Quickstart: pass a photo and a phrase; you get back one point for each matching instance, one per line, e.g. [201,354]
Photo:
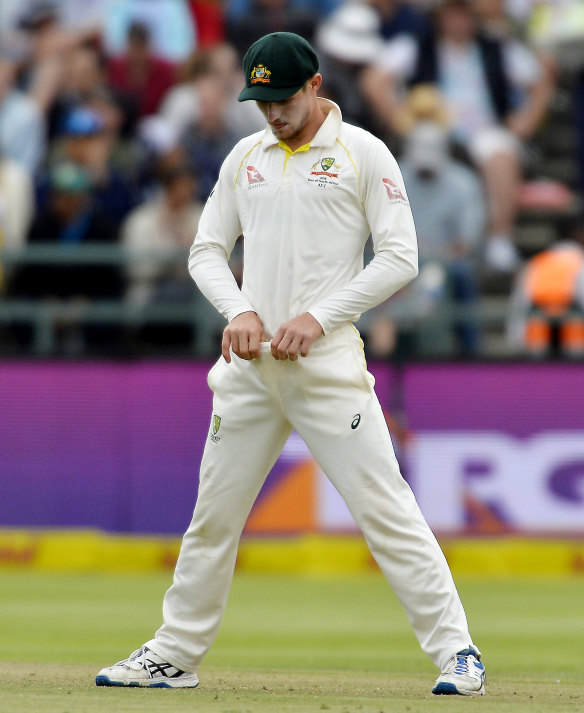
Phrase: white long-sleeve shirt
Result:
[305,217]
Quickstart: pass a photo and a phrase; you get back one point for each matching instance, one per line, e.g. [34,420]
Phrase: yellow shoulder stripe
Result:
[241,163]
[354,167]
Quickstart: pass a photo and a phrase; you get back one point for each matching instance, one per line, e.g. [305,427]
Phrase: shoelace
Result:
[458,666]
[461,667]
[132,661]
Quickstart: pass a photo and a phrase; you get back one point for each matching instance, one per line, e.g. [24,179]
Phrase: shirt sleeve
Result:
[395,262]
[219,228]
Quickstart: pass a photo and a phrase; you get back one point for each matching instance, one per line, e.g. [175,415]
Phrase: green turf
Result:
[287,644]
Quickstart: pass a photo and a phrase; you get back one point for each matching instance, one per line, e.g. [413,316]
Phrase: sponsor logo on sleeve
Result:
[394,192]
[254,177]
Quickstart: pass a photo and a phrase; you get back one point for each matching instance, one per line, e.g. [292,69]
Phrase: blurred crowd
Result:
[115,116]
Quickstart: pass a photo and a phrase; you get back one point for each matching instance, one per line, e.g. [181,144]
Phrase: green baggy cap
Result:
[277,66]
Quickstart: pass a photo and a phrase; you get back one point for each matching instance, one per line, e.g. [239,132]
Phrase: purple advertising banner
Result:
[112,446]
[517,399]
[497,448]
[486,448]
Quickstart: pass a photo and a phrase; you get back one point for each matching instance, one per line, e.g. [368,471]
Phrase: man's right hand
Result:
[243,334]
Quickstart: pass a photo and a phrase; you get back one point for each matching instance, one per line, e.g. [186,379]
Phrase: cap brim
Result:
[268,94]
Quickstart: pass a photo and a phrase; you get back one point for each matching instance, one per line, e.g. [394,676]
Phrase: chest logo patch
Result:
[394,192]
[254,176]
[325,172]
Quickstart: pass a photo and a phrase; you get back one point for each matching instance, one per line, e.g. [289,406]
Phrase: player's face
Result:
[292,120]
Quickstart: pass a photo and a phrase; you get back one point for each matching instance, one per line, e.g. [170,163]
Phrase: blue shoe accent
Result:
[105,681]
[446,689]
[160,685]
[469,652]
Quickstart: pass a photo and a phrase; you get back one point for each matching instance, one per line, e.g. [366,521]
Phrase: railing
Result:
[45,316]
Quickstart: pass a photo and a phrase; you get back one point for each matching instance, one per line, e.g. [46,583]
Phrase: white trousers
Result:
[328,398]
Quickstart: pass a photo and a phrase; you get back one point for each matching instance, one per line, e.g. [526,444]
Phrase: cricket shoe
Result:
[145,669]
[463,675]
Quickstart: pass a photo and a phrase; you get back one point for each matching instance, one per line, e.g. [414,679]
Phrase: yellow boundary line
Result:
[94,550]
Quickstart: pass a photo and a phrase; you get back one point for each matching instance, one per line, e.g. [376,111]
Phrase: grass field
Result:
[287,645]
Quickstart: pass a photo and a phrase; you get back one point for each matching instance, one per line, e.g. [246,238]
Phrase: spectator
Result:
[87,140]
[449,212]
[348,40]
[208,139]
[49,47]
[547,305]
[496,93]
[264,16]
[71,218]
[158,236]
[159,153]
[154,233]
[16,208]
[181,106]
[140,75]
[22,125]
[170,25]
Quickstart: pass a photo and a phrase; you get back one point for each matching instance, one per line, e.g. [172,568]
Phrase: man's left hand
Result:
[295,337]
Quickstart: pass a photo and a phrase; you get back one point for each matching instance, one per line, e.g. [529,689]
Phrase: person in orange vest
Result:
[547,304]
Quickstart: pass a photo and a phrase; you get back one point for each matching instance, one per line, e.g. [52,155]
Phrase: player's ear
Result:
[314,82]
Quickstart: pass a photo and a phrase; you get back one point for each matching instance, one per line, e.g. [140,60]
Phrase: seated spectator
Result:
[496,93]
[22,124]
[70,219]
[86,139]
[170,26]
[265,16]
[547,305]
[208,139]
[159,153]
[154,233]
[16,209]
[348,40]
[139,75]
[449,211]
[181,106]
[157,236]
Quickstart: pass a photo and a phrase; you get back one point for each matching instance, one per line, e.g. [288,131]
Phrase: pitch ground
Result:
[287,645]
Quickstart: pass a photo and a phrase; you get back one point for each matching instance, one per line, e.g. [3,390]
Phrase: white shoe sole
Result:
[104,680]
[450,689]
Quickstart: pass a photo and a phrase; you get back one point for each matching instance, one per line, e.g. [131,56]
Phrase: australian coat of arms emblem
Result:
[260,74]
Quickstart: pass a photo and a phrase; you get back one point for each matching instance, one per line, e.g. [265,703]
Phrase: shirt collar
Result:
[325,136]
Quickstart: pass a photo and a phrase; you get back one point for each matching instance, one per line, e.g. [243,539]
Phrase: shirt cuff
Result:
[317,314]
